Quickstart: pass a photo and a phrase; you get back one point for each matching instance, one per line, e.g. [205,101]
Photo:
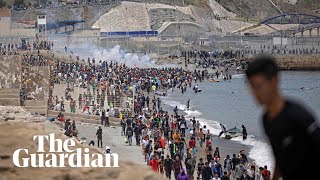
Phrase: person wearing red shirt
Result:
[154,163]
[192,143]
[163,144]
[266,173]
[208,142]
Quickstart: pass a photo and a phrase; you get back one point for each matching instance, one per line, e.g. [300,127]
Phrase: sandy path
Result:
[112,137]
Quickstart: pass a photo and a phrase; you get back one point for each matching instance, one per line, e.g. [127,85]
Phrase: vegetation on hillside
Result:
[263,8]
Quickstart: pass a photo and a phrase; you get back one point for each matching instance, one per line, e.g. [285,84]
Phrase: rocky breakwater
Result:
[17,129]
[296,62]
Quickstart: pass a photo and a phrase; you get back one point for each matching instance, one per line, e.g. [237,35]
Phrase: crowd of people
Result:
[14,48]
[97,79]
[172,145]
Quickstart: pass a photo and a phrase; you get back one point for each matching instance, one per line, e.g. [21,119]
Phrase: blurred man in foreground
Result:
[291,129]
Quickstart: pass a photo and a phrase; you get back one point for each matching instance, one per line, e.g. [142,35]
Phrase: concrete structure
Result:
[296,62]
[91,32]
[7,30]
[5,20]
[9,97]
[133,16]
[176,29]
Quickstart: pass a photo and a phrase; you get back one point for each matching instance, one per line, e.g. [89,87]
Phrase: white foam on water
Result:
[236,76]
[190,113]
[172,103]
[211,125]
[261,152]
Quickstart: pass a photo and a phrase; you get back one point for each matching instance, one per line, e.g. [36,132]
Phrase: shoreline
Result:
[226,146]
[254,147]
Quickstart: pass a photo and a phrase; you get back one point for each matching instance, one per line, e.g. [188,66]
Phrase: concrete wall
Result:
[176,29]
[5,29]
[5,26]
[23,32]
[86,33]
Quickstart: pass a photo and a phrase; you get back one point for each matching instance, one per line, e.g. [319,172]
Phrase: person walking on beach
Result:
[258,175]
[227,164]
[266,174]
[154,163]
[244,132]
[200,135]
[137,133]
[240,168]
[129,133]
[149,150]
[200,166]
[168,166]
[177,166]
[99,136]
[245,176]
[206,172]
[107,119]
[123,125]
[103,115]
[147,101]
[190,163]
[225,176]
[293,132]
[183,175]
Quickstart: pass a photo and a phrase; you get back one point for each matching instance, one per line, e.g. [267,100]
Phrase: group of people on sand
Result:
[100,81]
[171,144]
[184,149]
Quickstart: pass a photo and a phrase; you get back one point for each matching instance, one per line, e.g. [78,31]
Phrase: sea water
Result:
[230,103]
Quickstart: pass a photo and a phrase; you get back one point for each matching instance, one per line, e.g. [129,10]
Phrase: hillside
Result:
[244,8]
[263,8]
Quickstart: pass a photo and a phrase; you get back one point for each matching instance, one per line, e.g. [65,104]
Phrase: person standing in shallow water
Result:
[244,132]
[292,130]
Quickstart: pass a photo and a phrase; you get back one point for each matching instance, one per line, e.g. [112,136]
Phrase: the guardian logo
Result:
[61,153]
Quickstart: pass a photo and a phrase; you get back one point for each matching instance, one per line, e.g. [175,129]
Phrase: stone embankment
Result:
[297,62]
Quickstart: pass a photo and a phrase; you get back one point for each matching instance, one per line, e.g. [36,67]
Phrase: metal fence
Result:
[173,45]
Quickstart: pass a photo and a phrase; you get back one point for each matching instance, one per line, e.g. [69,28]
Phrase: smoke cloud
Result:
[116,54]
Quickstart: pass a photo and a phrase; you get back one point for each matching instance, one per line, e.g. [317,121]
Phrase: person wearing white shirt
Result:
[251,172]
[107,119]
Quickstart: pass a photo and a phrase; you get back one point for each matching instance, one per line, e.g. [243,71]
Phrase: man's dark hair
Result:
[263,65]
